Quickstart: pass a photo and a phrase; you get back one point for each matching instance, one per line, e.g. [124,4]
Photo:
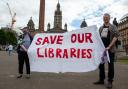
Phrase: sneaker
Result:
[109,85]
[99,82]
[28,76]
[19,76]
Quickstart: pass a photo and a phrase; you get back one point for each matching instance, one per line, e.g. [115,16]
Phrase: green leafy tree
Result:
[7,37]
[2,37]
[11,38]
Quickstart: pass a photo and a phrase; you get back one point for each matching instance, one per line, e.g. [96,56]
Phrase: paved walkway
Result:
[8,73]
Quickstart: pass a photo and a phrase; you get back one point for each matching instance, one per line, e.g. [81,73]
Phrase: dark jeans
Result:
[23,57]
[110,69]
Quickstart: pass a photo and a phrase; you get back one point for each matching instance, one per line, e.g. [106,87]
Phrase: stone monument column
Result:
[42,16]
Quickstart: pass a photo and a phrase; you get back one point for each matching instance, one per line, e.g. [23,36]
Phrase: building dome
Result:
[31,25]
[30,22]
[83,24]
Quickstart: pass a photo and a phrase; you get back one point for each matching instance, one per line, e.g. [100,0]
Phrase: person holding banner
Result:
[109,35]
[22,53]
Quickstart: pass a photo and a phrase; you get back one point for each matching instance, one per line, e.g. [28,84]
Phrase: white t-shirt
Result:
[10,47]
[104,32]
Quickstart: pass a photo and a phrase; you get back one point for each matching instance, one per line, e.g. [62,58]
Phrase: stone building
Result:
[31,26]
[57,28]
[123,29]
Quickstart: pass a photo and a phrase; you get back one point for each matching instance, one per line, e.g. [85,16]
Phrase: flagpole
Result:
[42,16]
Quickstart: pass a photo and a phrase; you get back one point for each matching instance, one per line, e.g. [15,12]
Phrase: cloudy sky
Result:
[74,11]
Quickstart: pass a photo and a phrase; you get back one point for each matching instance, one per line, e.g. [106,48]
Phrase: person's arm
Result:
[22,46]
[112,43]
[116,35]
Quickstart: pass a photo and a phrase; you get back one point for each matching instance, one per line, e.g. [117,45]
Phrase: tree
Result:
[7,37]
[2,37]
[11,38]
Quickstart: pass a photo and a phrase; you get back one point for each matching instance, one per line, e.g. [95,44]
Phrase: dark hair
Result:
[106,14]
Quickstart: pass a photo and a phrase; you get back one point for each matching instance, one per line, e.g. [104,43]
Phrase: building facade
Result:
[57,28]
[31,26]
[123,30]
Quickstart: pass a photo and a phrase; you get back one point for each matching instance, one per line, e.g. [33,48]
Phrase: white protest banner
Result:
[76,51]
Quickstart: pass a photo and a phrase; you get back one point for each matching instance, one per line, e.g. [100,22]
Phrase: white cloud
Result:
[72,10]
[24,10]
[118,9]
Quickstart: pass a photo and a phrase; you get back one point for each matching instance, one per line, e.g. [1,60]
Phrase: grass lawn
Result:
[123,60]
